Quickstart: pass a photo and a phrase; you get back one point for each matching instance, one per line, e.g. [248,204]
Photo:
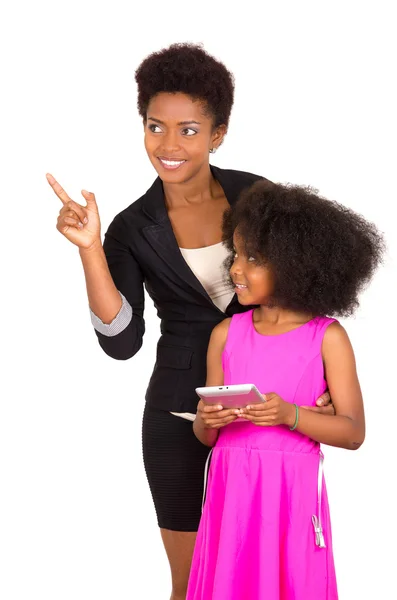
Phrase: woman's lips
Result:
[171,164]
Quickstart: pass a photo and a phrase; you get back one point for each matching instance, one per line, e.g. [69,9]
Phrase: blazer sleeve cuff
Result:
[119,323]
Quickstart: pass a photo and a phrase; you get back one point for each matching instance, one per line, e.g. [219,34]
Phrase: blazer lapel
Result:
[161,236]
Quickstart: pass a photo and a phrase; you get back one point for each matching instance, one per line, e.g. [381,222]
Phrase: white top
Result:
[207,265]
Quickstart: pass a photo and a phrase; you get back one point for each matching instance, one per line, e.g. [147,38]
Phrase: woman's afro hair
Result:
[321,253]
[188,69]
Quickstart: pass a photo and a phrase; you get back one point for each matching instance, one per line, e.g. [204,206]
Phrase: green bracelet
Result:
[296,417]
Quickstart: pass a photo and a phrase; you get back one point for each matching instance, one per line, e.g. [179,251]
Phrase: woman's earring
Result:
[212,150]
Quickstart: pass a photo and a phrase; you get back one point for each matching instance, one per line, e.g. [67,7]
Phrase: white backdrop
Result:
[314,104]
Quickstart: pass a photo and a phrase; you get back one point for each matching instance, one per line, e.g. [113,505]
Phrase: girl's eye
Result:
[252,259]
[153,128]
[189,132]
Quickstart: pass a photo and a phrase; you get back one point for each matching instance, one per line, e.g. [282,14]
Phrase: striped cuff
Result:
[119,323]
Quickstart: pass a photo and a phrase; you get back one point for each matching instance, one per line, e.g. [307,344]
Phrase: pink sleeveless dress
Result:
[265,531]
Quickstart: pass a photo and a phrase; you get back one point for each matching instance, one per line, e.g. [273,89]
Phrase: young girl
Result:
[265,530]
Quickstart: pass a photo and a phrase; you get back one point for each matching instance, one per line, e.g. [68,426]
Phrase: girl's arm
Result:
[210,418]
[347,428]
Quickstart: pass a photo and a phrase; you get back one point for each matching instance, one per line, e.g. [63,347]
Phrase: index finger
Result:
[60,192]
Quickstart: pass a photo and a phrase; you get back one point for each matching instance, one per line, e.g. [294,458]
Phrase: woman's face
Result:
[253,282]
[179,136]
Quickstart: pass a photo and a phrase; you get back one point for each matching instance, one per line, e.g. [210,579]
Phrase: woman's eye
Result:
[189,131]
[153,128]
[252,259]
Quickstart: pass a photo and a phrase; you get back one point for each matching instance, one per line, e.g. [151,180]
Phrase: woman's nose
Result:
[171,142]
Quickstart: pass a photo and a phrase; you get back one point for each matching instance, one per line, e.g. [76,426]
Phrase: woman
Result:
[169,240]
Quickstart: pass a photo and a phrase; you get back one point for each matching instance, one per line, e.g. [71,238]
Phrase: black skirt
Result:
[174,463]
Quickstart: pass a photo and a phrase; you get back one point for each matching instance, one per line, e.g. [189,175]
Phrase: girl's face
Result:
[179,136]
[253,282]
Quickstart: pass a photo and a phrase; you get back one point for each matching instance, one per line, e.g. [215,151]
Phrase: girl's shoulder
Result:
[316,330]
[310,336]
[219,335]
[334,332]
[237,328]
[322,324]
[333,338]
[337,348]
[222,328]
[228,329]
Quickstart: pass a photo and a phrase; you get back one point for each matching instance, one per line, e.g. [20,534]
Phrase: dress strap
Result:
[316,519]
[206,468]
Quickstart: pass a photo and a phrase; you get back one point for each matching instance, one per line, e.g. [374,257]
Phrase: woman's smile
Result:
[171,164]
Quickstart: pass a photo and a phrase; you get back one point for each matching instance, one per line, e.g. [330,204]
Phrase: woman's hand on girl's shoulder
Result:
[323,406]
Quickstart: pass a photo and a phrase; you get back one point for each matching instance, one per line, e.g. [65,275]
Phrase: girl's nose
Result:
[235,269]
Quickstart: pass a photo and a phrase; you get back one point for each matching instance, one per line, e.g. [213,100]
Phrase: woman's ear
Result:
[217,137]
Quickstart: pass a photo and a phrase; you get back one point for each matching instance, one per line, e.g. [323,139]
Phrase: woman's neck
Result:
[197,190]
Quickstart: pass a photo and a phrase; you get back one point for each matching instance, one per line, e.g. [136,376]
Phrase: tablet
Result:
[231,396]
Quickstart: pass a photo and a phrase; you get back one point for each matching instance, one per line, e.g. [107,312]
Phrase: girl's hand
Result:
[79,224]
[215,417]
[274,411]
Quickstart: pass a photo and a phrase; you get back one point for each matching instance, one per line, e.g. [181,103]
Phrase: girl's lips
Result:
[239,289]
[171,164]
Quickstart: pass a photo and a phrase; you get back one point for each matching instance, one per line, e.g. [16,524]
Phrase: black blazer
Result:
[141,249]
